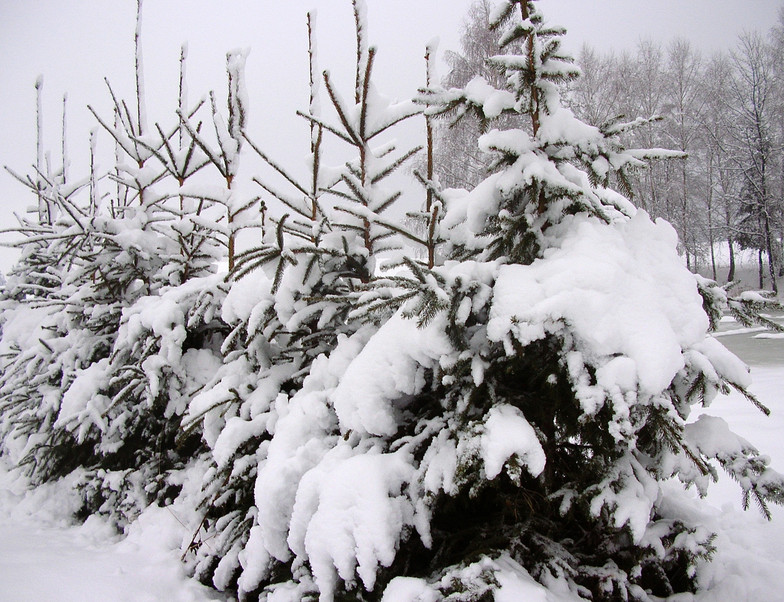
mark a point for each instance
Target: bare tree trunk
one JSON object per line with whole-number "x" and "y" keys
{"x": 761, "y": 269}
{"x": 709, "y": 199}
{"x": 780, "y": 248}
{"x": 771, "y": 258}
{"x": 731, "y": 272}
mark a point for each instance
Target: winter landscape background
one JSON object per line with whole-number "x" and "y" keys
{"x": 426, "y": 362}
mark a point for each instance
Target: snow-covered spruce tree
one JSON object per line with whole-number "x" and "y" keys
{"x": 224, "y": 155}
{"x": 168, "y": 335}
{"x": 100, "y": 361}
{"x": 292, "y": 299}
{"x": 233, "y": 409}
{"x": 32, "y": 366}
{"x": 523, "y": 404}
{"x": 593, "y": 337}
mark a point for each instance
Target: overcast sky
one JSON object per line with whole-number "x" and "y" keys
{"x": 74, "y": 44}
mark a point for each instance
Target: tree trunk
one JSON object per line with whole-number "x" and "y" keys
{"x": 771, "y": 256}
{"x": 731, "y": 273}
{"x": 711, "y": 234}
{"x": 230, "y": 219}
{"x": 761, "y": 269}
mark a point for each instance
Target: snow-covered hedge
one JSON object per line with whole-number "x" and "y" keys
{"x": 512, "y": 405}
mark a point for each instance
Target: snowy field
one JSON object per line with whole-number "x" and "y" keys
{"x": 43, "y": 557}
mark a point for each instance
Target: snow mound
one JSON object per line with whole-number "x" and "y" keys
{"x": 621, "y": 289}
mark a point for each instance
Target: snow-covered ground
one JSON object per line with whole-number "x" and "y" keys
{"x": 749, "y": 561}
{"x": 43, "y": 557}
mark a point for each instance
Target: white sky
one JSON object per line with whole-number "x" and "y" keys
{"x": 74, "y": 44}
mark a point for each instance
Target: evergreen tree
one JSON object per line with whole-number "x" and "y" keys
{"x": 109, "y": 321}
{"x": 93, "y": 373}
{"x": 528, "y": 397}
{"x": 310, "y": 284}
{"x": 342, "y": 430}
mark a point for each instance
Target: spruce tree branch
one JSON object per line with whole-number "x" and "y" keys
{"x": 394, "y": 165}
{"x": 327, "y": 127}
{"x": 356, "y": 187}
{"x": 26, "y": 181}
{"x": 112, "y": 132}
{"x": 203, "y": 145}
{"x": 383, "y": 128}
{"x": 365, "y": 92}
{"x": 378, "y": 220}
{"x": 342, "y": 112}
{"x": 388, "y": 202}
{"x": 291, "y": 203}
{"x": 274, "y": 166}
{"x": 244, "y": 207}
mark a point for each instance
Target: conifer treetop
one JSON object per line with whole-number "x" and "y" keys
{"x": 552, "y": 164}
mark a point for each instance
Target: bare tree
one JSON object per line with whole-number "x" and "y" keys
{"x": 777, "y": 51}
{"x": 752, "y": 107}
{"x": 685, "y": 104}
{"x": 596, "y": 97}
{"x": 722, "y": 176}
